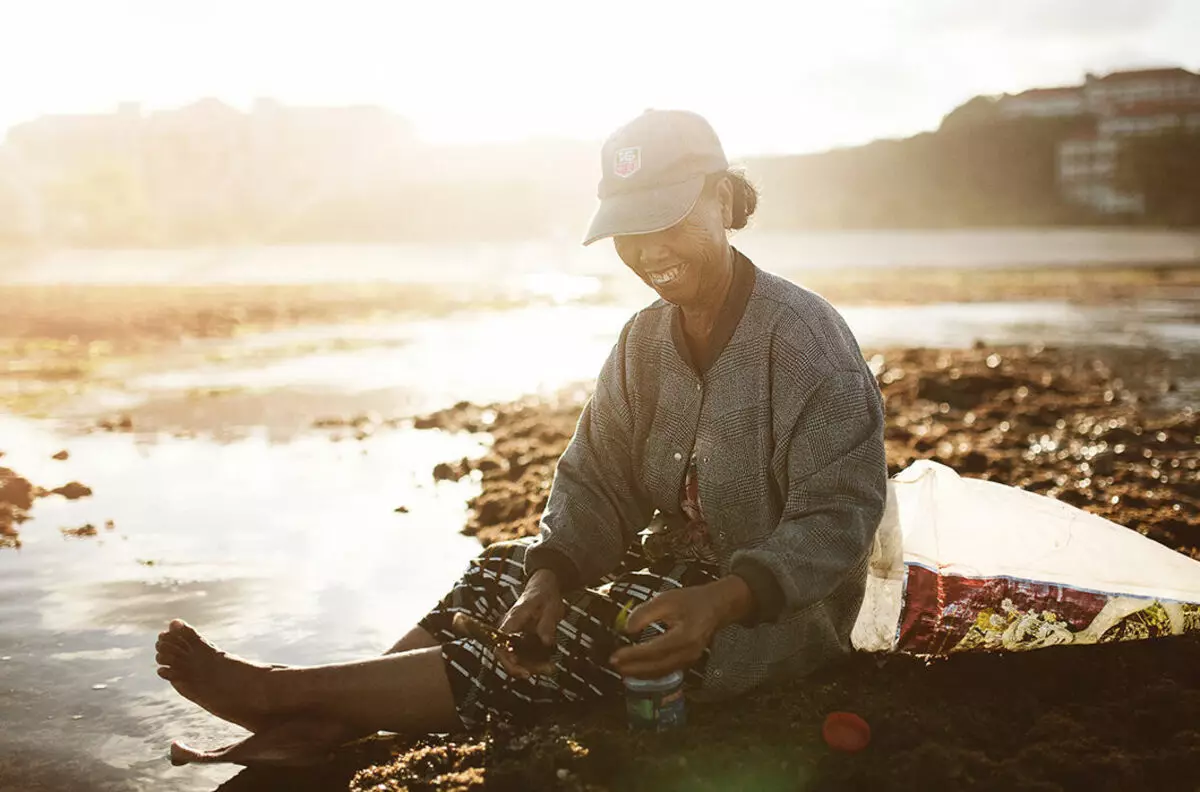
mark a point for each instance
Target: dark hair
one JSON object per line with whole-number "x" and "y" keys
{"x": 745, "y": 196}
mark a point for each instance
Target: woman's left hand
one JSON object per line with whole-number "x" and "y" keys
{"x": 691, "y": 615}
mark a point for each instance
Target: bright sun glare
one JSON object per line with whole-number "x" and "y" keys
{"x": 770, "y": 76}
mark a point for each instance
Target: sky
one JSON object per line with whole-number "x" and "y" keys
{"x": 772, "y": 77}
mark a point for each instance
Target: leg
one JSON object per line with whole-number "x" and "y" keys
{"x": 218, "y": 682}
{"x": 487, "y": 590}
{"x": 416, "y": 638}
{"x": 295, "y": 740}
{"x": 407, "y": 692}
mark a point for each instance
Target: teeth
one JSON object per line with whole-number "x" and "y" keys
{"x": 664, "y": 277}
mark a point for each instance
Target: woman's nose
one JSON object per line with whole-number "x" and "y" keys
{"x": 652, "y": 255}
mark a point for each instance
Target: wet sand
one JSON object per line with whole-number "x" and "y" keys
{"x": 1108, "y": 431}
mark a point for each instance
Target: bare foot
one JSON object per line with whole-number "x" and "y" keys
{"x": 229, "y": 687}
{"x": 294, "y": 743}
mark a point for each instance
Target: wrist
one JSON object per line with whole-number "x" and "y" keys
{"x": 734, "y": 598}
{"x": 543, "y": 578}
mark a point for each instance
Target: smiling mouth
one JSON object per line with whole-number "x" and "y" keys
{"x": 667, "y": 276}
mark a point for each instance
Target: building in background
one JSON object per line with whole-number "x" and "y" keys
{"x": 1044, "y": 103}
{"x": 1120, "y": 105}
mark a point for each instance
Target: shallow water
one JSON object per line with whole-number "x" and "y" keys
{"x": 415, "y": 367}
{"x": 560, "y": 265}
{"x": 291, "y": 552}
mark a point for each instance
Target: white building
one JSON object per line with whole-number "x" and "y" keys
{"x": 1124, "y": 104}
{"x": 1087, "y": 169}
{"x": 1044, "y": 103}
{"x": 1150, "y": 118}
{"x": 1108, "y": 93}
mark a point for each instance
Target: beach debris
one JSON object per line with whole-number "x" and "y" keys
{"x": 83, "y": 530}
{"x": 845, "y": 732}
{"x": 401, "y": 510}
{"x": 61, "y": 455}
{"x": 72, "y": 491}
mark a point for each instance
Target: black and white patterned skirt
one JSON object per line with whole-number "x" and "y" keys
{"x": 585, "y": 636}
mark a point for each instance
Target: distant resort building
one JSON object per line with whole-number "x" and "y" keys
{"x": 1120, "y": 105}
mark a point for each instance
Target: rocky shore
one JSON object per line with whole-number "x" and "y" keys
{"x": 1113, "y": 432}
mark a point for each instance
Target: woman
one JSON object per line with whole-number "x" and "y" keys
{"x": 738, "y": 407}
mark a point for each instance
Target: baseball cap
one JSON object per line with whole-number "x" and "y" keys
{"x": 652, "y": 172}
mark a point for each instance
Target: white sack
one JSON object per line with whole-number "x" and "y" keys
{"x": 964, "y": 564}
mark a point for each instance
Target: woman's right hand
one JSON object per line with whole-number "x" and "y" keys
{"x": 539, "y": 609}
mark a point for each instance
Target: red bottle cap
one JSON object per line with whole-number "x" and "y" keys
{"x": 845, "y": 731}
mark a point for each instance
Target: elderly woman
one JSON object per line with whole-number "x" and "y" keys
{"x": 727, "y": 477}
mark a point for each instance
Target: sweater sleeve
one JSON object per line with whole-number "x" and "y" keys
{"x": 596, "y": 506}
{"x": 836, "y": 492}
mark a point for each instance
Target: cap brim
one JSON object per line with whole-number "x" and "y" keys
{"x": 644, "y": 212}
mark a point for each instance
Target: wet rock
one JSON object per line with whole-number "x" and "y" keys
{"x": 72, "y": 491}
{"x": 973, "y": 462}
{"x": 15, "y": 490}
{"x": 964, "y": 391}
{"x": 120, "y": 423}
{"x": 448, "y": 471}
{"x": 1104, "y": 463}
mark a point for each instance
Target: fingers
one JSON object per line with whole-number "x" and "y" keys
{"x": 664, "y": 645}
{"x": 661, "y": 607}
{"x": 517, "y": 617}
{"x": 508, "y": 661}
{"x": 657, "y": 657}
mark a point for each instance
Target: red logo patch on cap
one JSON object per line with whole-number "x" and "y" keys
{"x": 629, "y": 162}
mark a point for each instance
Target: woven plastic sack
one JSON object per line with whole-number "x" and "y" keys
{"x": 969, "y": 565}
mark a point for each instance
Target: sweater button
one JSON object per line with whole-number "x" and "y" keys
{"x": 678, "y": 457}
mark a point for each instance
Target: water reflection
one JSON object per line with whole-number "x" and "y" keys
{"x": 289, "y": 552}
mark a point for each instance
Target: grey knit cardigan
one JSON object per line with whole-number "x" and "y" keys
{"x": 787, "y": 427}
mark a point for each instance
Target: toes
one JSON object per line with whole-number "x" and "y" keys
{"x": 172, "y": 647}
{"x": 174, "y": 639}
{"x": 186, "y": 635}
{"x": 168, "y": 653}
{"x": 168, "y": 673}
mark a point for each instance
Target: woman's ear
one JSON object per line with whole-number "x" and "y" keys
{"x": 725, "y": 200}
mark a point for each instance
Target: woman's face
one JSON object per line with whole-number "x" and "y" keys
{"x": 685, "y": 263}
